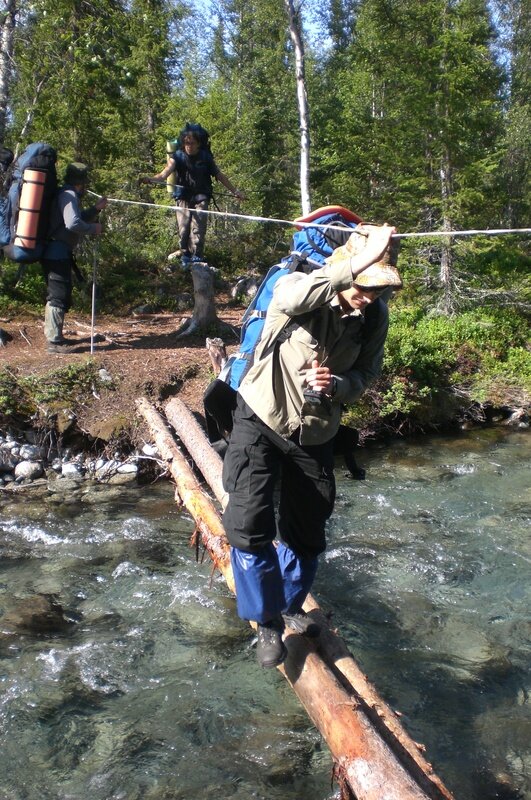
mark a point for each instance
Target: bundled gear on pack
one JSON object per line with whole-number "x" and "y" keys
{"x": 25, "y": 211}
{"x": 311, "y": 247}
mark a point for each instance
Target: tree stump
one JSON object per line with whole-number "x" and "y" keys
{"x": 204, "y": 314}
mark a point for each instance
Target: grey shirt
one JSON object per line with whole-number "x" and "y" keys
{"x": 274, "y": 385}
{"x": 68, "y": 223}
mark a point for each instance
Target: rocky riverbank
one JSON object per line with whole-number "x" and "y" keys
{"x": 69, "y": 477}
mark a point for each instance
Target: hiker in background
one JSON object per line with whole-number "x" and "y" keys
{"x": 68, "y": 225}
{"x": 312, "y": 357}
{"x": 6, "y": 159}
{"x": 195, "y": 167}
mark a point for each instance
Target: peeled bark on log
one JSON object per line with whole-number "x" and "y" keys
{"x": 331, "y": 647}
{"x": 208, "y": 461}
{"x": 189, "y": 491}
{"x": 335, "y": 653}
{"x": 366, "y": 764}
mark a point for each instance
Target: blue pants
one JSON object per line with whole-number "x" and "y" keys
{"x": 271, "y": 582}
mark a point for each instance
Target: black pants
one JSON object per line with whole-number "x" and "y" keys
{"x": 58, "y": 275}
{"x": 255, "y": 459}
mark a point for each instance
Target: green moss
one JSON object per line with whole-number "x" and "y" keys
{"x": 43, "y": 395}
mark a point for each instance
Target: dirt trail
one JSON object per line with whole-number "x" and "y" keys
{"x": 142, "y": 354}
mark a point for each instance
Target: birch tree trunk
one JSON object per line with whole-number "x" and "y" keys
{"x": 446, "y": 267}
{"x": 29, "y": 115}
{"x": 295, "y": 30}
{"x": 7, "y": 34}
{"x": 445, "y": 176}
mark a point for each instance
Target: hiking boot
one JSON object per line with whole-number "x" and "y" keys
{"x": 300, "y": 622}
{"x": 60, "y": 347}
{"x": 270, "y": 649}
{"x": 66, "y": 342}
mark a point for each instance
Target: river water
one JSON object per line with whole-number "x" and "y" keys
{"x": 145, "y": 684}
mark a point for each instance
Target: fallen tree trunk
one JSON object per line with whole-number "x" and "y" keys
{"x": 189, "y": 492}
{"x": 192, "y": 434}
{"x": 368, "y": 764}
{"x": 334, "y": 651}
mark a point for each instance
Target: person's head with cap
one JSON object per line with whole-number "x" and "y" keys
{"x": 76, "y": 174}
{"x": 377, "y": 279}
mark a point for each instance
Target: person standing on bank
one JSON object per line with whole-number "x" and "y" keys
{"x": 313, "y": 356}
{"x": 195, "y": 167}
{"x": 68, "y": 225}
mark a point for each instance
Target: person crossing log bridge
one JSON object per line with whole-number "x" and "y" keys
{"x": 374, "y": 758}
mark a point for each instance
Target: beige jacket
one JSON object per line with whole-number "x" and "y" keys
{"x": 274, "y": 385}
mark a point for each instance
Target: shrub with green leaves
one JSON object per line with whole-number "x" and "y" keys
{"x": 436, "y": 367}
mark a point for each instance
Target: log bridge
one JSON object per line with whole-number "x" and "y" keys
{"x": 374, "y": 757}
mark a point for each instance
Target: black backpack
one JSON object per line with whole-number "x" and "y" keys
{"x": 6, "y": 159}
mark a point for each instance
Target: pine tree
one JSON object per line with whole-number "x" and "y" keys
{"x": 514, "y": 22}
{"x": 417, "y": 120}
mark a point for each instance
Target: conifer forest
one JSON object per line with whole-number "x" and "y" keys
{"x": 414, "y": 113}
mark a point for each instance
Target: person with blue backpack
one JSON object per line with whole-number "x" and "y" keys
{"x": 68, "y": 225}
{"x": 195, "y": 167}
{"x": 312, "y": 357}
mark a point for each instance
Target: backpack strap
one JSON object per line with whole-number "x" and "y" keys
{"x": 300, "y": 262}
{"x": 314, "y": 244}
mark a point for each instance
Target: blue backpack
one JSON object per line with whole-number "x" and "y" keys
{"x": 34, "y": 170}
{"x": 316, "y": 244}
{"x": 310, "y": 247}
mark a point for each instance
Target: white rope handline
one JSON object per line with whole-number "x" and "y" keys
{"x": 488, "y": 232}
{"x": 292, "y": 223}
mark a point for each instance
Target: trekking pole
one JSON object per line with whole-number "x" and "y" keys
{"x": 93, "y": 312}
